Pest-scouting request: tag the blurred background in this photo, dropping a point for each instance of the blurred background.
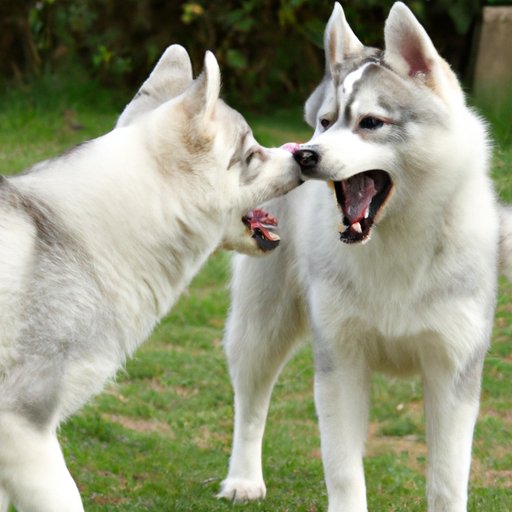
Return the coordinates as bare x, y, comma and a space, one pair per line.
269, 50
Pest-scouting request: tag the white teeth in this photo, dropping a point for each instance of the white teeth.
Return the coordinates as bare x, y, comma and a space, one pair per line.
367, 213
357, 227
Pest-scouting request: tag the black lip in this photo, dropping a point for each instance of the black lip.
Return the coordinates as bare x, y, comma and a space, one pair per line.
264, 243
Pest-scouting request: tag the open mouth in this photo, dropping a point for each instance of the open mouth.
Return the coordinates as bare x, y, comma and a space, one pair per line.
361, 198
262, 226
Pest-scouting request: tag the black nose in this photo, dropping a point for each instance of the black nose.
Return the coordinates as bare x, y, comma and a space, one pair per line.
306, 158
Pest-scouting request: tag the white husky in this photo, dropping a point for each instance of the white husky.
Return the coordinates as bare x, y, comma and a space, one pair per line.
96, 246
409, 288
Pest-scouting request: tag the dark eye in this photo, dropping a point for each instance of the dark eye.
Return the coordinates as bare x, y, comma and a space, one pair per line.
253, 151
371, 123
249, 157
325, 123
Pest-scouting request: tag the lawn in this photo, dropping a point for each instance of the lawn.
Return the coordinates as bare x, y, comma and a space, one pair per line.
159, 437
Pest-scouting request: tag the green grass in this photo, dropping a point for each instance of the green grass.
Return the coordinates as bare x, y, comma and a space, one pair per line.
159, 437
42, 120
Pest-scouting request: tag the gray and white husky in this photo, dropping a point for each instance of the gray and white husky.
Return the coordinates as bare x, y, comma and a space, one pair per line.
97, 245
390, 268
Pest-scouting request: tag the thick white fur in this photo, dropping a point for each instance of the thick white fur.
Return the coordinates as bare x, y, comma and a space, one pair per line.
141, 208
417, 298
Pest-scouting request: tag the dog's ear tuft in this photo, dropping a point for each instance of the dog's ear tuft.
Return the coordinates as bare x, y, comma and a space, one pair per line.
410, 52
204, 93
339, 40
170, 77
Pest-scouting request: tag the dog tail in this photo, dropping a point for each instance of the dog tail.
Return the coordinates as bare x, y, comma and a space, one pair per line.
506, 241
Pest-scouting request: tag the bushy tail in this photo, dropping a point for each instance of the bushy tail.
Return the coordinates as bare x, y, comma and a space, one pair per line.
506, 241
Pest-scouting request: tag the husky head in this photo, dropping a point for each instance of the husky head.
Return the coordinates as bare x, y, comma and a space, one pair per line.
211, 147
382, 120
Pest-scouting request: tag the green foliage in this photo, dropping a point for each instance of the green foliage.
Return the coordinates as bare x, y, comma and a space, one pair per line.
269, 51
497, 109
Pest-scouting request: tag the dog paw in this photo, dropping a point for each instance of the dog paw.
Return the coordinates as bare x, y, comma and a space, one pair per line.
239, 490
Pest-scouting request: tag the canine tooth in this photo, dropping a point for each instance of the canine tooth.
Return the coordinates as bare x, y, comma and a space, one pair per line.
357, 227
367, 212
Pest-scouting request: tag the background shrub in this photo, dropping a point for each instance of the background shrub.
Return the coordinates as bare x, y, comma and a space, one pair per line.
269, 50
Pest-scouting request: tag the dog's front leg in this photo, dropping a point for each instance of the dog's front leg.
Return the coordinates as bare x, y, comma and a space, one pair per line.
263, 328
32, 468
253, 376
451, 409
341, 395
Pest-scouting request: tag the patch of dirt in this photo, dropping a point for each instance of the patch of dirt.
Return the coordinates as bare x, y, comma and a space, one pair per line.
184, 392
505, 416
155, 385
139, 425
494, 479
113, 390
101, 499
411, 445
208, 440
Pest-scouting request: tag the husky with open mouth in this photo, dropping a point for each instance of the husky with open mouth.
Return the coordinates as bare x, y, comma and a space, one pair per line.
390, 264
97, 245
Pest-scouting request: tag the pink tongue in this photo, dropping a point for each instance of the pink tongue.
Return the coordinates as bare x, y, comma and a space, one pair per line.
290, 146
260, 219
259, 216
359, 192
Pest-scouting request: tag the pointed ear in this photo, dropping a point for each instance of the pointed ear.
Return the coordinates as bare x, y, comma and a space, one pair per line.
172, 73
201, 97
339, 40
411, 53
169, 78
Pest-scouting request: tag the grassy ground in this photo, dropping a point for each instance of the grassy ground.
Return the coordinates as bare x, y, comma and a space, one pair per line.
159, 437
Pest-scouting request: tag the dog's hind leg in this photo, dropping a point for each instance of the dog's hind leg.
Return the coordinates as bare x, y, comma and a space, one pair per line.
32, 468
265, 323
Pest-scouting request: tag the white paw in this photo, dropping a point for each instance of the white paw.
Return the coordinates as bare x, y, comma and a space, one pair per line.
239, 490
